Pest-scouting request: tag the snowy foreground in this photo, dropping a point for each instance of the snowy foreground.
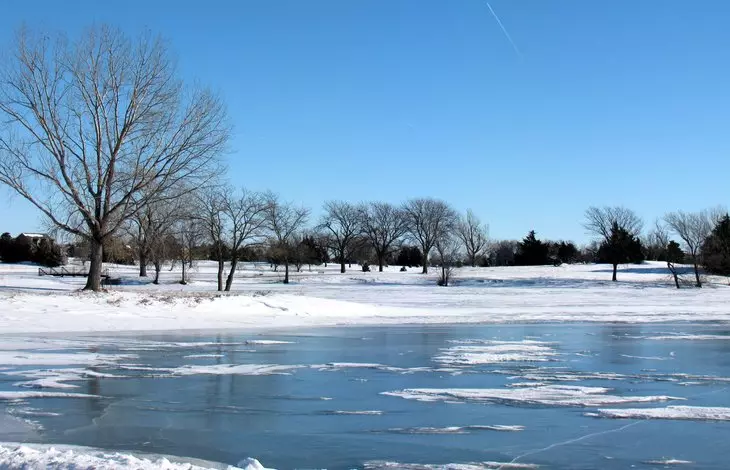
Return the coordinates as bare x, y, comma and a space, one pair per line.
324, 297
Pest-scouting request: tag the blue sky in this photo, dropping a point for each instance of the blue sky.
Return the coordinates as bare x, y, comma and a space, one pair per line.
621, 102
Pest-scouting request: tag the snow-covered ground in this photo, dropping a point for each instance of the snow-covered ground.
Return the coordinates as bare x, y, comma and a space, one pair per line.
323, 297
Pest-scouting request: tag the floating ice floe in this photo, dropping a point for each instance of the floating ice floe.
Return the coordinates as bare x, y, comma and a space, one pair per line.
458, 429
234, 369
20, 395
549, 395
265, 342
384, 465
338, 366
668, 462
361, 412
55, 378
694, 413
22, 358
68, 457
690, 337
477, 352
201, 356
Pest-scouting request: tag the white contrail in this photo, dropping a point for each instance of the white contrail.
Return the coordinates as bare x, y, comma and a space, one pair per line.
504, 30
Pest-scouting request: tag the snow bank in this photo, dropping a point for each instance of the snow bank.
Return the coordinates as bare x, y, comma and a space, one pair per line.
695, 413
549, 395
22, 457
486, 295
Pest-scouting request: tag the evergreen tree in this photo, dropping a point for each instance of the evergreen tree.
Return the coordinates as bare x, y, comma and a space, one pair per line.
532, 252
716, 249
49, 254
620, 247
567, 252
7, 249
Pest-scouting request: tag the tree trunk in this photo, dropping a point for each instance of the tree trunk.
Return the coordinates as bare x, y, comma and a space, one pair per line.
381, 262
93, 282
674, 274
425, 262
221, 267
229, 280
143, 263
443, 275
158, 268
697, 276
184, 279
342, 266
286, 272
615, 266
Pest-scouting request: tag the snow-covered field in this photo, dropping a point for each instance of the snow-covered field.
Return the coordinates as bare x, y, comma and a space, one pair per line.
323, 297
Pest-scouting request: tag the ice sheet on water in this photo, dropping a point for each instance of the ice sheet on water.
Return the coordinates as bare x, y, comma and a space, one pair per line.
385, 465
476, 352
25, 457
356, 412
548, 395
201, 356
694, 413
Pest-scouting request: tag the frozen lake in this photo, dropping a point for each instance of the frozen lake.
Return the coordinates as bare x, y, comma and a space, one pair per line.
555, 395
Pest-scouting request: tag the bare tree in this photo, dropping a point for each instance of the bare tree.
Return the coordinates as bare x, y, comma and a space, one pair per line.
94, 129
383, 225
605, 221
447, 251
341, 221
473, 235
658, 236
693, 228
210, 211
188, 230
245, 220
150, 227
428, 221
284, 221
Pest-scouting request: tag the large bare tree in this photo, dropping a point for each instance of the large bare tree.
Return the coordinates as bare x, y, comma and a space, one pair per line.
606, 222
429, 220
94, 128
473, 235
341, 221
693, 228
384, 225
284, 221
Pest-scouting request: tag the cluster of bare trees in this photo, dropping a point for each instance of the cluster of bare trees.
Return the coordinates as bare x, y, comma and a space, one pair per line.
379, 229
619, 229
